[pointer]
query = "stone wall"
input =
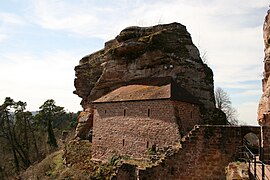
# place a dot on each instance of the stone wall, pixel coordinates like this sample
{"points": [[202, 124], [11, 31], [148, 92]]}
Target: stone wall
{"points": [[266, 143], [188, 115], [131, 128], [204, 154]]}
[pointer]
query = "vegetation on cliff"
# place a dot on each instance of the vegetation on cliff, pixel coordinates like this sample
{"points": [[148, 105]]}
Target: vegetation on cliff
{"points": [[26, 138]]}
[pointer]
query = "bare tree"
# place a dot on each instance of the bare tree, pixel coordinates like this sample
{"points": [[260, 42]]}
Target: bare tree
{"points": [[204, 56], [223, 102], [203, 52]]}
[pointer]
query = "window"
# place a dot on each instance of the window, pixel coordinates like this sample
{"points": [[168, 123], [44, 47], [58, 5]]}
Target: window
{"points": [[148, 112], [125, 112], [123, 142], [105, 111], [191, 115], [147, 144]]}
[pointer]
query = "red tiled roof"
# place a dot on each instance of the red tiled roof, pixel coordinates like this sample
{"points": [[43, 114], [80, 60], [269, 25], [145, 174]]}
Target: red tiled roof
{"points": [[149, 89]]}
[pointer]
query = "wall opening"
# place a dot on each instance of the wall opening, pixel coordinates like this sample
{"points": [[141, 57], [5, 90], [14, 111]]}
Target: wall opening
{"points": [[123, 142], [251, 140], [172, 170], [105, 111], [148, 112], [125, 112], [191, 115], [147, 144]]}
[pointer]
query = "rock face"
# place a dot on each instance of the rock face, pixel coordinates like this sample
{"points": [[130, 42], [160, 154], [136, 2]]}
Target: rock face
{"points": [[142, 52], [264, 105]]}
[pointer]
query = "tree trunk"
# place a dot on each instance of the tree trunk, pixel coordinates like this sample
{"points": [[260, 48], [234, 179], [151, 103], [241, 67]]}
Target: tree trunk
{"points": [[51, 137], [34, 138]]}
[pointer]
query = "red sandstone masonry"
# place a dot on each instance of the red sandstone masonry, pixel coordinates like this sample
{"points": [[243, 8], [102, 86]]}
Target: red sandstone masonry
{"points": [[124, 128], [266, 142], [205, 153], [189, 115]]}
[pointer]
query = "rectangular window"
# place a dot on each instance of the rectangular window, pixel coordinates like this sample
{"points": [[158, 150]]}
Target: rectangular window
{"points": [[191, 114], [147, 144], [105, 111], [148, 113], [123, 142], [125, 112]]}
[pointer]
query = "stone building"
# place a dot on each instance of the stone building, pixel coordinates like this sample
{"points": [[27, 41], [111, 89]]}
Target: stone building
{"points": [[145, 114]]}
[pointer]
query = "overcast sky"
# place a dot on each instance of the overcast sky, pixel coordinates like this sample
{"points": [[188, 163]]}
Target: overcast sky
{"points": [[41, 41]]}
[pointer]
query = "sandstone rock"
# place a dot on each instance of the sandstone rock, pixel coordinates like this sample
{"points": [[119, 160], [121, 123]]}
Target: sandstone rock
{"points": [[142, 52], [237, 170], [264, 105], [85, 123], [138, 52]]}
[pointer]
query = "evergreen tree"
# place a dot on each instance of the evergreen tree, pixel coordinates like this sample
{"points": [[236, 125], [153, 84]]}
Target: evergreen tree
{"points": [[48, 113]]}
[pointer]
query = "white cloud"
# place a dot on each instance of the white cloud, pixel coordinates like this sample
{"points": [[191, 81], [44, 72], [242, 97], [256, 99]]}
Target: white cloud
{"points": [[248, 113], [2, 36], [230, 31], [8, 24], [82, 19], [35, 79], [252, 92], [239, 85], [9, 18]]}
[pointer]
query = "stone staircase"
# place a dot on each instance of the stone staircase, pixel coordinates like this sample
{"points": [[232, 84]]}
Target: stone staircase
{"points": [[192, 135], [259, 171]]}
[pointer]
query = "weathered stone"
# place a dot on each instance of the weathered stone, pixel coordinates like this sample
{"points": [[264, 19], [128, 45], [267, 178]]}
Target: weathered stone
{"points": [[133, 131], [264, 105], [237, 170], [137, 52], [201, 158], [85, 124], [142, 52]]}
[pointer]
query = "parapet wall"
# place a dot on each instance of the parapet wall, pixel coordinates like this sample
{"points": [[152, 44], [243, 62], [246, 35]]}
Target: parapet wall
{"points": [[204, 154]]}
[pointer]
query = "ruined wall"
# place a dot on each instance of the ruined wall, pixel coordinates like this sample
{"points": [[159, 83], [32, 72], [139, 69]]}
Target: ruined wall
{"points": [[188, 115], [130, 128], [266, 143], [204, 155]]}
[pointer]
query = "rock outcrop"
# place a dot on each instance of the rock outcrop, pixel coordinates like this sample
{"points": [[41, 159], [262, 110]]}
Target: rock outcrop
{"points": [[142, 52], [264, 105]]}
